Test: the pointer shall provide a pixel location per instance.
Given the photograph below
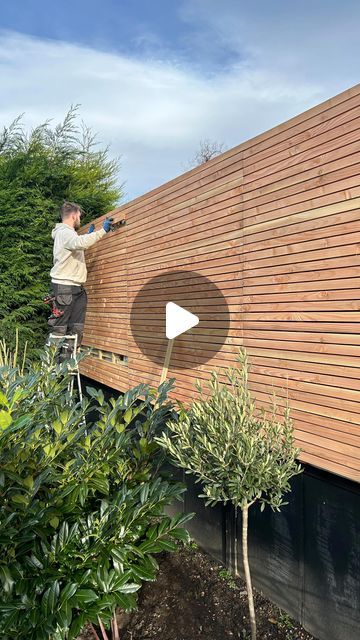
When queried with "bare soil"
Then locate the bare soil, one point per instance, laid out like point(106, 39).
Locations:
point(195, 598)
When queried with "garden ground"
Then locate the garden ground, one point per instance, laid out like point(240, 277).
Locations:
point(195, 597)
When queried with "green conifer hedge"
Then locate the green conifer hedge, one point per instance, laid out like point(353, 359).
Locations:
point(38, 171)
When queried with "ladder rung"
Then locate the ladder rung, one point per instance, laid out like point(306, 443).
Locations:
point(72, 336)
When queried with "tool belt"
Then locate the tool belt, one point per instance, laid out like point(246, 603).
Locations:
point(63, 296)
point(55, 311)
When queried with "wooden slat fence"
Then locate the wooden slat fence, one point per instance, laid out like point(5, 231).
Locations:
point(274, 223)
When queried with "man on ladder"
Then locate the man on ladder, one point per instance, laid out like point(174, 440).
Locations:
point(68, 275)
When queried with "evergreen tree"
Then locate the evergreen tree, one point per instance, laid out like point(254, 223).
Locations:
point(38, 171)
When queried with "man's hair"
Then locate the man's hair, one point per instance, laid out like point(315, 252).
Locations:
point(69, 207)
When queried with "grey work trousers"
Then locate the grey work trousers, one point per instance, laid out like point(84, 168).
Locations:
point(72, 300)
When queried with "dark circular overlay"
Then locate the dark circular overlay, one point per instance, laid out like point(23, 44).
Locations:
point(196, 294)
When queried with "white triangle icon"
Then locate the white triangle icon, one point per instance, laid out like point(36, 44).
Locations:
point(178, 320)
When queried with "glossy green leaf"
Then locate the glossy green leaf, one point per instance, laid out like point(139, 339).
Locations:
point(68, 592)
point(50, 598)
point(144, 572)
point(5, 419)
point(64, 615)
point(83, 596)
point(3, 400)
point(128, 415)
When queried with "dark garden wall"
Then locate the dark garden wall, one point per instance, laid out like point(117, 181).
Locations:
point(306, 558)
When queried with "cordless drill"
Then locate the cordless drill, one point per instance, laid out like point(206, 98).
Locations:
point(116, 225)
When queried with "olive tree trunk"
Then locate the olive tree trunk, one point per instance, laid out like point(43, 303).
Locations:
point(245, 518)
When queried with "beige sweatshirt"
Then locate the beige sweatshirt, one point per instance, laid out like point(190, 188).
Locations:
point(69, 259)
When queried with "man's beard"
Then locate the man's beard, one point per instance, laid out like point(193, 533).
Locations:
point(77, 225)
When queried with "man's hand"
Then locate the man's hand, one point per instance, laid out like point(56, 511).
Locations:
point(107, 224)
point(91, 228)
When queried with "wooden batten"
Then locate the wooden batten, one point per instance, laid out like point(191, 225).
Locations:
point(275, 224)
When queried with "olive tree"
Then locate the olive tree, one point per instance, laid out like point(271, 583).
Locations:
point(239, 453)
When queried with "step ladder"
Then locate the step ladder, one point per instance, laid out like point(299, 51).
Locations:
point(74, 372)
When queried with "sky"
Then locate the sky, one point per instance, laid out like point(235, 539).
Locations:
point(155, 77)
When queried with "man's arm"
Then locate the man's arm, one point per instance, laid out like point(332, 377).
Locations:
point(73, 242)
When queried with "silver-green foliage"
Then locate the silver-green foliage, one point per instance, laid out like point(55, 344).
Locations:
point(239, 453)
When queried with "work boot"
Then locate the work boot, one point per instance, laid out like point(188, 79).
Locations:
point(66, 352)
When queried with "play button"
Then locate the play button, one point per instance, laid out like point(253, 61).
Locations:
point(183, 306)
point(178, 320)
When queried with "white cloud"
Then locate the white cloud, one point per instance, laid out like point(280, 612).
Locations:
point(312, 41)
point(152, 112)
